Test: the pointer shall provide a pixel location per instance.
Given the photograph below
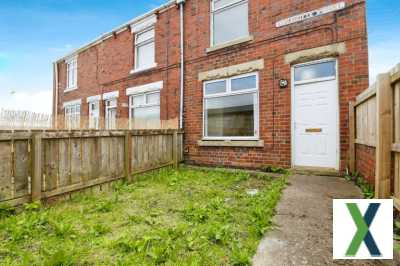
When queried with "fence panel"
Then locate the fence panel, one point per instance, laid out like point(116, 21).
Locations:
point(15, 169)
point(396, 135)
point(150, 151)
point(396, 112)
point(376, 115)
point(366, 122)
point(42, 165)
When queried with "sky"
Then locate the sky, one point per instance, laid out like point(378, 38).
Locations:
point(34, 33)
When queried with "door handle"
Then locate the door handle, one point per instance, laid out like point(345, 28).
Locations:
point(313, 130)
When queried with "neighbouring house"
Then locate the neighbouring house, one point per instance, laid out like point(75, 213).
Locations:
point(264, 82)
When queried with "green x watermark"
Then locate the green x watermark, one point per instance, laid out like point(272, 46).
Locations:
point(363, 233)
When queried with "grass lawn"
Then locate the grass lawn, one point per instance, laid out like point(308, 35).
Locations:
point(168, 217)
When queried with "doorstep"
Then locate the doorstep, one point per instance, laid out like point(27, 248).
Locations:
point(318, 171)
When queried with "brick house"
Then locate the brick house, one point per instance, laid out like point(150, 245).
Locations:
point(264, 82)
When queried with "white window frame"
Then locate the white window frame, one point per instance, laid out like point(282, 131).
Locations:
point(229, 92)
point(316, 62)
point(221, 9)
point(132, 106)
point(72, 120)
point(72, 62)
point(107, 109)
point(142, 43)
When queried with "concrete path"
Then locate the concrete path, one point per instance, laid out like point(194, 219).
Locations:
point(303, 224)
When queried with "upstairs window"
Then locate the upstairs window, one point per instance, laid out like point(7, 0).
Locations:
point(231, 108)
point(145, 49)
point(72, 73)
point(229, 20)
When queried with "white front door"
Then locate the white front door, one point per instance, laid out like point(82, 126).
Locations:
point(315, 115)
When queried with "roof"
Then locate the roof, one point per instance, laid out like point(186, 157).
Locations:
point(115, 30)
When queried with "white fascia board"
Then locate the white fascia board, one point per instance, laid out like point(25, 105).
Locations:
point(155, 86)
point(110, 95)
point(71, 58)
point(118, 29)
point(94, 98)
point(144, 24)
point(74, 102)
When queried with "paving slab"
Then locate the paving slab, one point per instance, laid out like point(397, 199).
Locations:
point(302, 233)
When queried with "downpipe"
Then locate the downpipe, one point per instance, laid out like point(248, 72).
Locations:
point(181, 3)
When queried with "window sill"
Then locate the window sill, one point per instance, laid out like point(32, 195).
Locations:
point(139, 70)
point(70, 89)
point(231, 143)
point(228, 44)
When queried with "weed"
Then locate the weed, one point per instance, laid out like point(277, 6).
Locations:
point(103, 206)
point(195, 213)
point(63, 229)
point(6, 211)
point(60, 257)
point(34, 206)
point(367, 189)
point(240, 257)
point(275, 170)
point(396, 231)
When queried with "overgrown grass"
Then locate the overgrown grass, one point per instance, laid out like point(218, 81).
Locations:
point(185, 217)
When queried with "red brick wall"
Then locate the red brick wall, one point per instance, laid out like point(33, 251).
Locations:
point(271, 44)
point(105, 67)
point(365, 162)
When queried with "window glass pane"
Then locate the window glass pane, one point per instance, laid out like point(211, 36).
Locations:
point(244, 83)
point(144, 36)
point(138, 100)
point(146, 117)
point(215, 87)
point(111, 103)
point(321, 70)
point(111, 118)
point(71, 73)
point(230, 116)
point(153, 98)
point(230, 23)
point(222, 3)
point(145, 55)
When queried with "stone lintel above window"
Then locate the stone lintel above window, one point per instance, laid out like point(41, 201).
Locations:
point(232, 70)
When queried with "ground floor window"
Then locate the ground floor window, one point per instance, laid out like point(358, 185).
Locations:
point(231, 108)
point(72, 116)
point(94, 115)
point(111, 114)
point(145, 110)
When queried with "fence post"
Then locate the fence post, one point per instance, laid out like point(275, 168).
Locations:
point(352, 137)
point(175, 149)
point(36, 181)
point(384, 104)
point(128, 154)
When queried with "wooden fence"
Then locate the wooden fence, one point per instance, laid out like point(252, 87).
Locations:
point(375, 122)
point(41, 165)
